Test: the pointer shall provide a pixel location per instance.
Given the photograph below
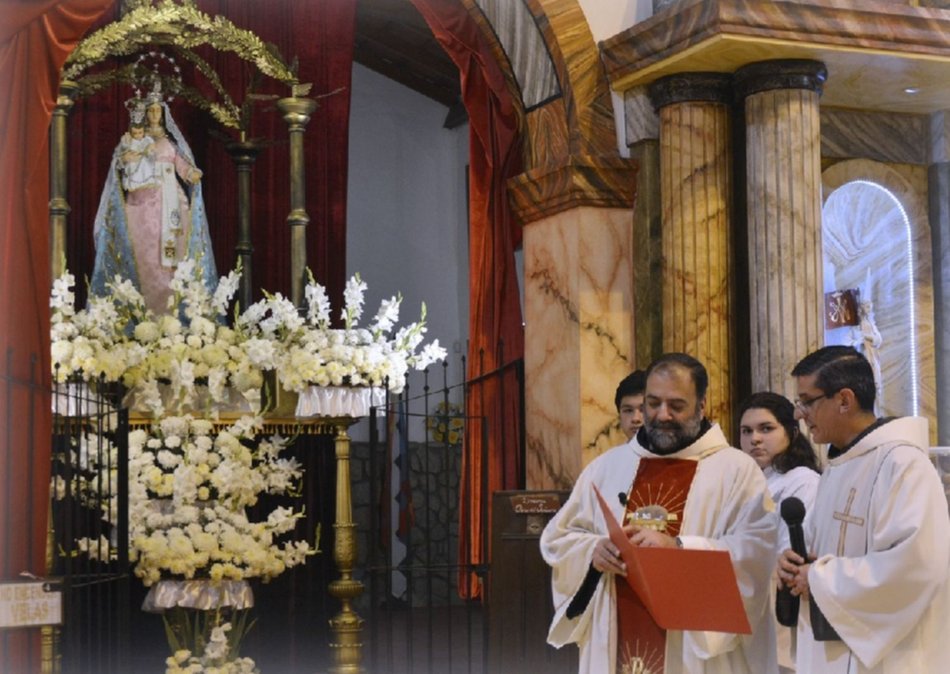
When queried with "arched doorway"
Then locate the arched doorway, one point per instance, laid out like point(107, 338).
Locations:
point(876, 239)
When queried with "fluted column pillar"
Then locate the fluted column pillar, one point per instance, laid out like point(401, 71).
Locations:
point(783, 160)
point(297, 113)
point(696, 205)
point(244, 152)
point(58, 205)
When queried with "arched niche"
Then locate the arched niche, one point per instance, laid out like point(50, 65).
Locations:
point(876, 236)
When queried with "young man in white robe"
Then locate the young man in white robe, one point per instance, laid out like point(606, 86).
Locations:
point(723, 505)
point(878, 535)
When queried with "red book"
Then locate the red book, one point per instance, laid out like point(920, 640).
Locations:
point(682, 589)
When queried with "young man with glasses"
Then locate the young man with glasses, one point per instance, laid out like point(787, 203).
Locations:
point(875, 589)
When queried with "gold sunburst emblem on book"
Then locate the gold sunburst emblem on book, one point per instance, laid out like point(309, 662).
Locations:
point(656, 509)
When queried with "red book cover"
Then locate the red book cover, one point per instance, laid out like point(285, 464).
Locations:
point(682, 589)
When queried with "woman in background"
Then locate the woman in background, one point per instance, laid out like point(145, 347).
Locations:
point(769, 433)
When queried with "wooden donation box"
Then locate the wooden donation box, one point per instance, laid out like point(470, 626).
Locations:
point(520, 606)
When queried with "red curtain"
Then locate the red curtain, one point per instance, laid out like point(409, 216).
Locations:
point(35, 39)
point(496, 337)
point(319, 34)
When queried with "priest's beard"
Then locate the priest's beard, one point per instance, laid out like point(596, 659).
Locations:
point(669, 437)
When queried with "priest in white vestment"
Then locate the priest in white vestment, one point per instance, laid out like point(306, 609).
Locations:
point(878, 535)
point(726, 507)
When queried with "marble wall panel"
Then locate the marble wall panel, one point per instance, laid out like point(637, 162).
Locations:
point(578, 339)
point(939, 207)
point(864, 230)
point(887, 137)
point(647, 255)
point(640, 119)
point(939, 140)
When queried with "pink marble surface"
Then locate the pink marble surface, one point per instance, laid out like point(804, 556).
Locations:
point(578, 338)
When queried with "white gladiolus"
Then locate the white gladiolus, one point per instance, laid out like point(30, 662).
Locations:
point(190, 484)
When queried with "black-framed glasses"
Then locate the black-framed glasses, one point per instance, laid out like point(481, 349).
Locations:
point(804, 406)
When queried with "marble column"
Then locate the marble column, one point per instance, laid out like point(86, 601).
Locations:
point(783, 167)
point(939, 208)
point(578, 319)
point(642, 126)
point(578, 311)
point(696, 206)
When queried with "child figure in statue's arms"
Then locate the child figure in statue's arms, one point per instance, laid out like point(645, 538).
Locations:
point(136, 157)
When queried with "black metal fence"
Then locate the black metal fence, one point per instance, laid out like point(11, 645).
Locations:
point(417, 620)
point(89, 518)
point(405, 482)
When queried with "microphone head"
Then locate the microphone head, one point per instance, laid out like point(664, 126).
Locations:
point(793, 510)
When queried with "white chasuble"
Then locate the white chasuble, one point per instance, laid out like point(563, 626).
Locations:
point(880, 531)
point(727, 508)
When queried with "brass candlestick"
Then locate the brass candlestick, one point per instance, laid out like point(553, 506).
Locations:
point(244, 152)
point(58, 205)
point(297, 113)
point(347, 646)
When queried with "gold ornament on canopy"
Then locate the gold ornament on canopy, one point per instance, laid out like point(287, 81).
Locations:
point(180, 26)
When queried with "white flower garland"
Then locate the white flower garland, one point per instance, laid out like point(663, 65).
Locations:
point(160, 358)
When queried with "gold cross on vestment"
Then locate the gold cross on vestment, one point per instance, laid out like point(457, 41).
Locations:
point(847, 518)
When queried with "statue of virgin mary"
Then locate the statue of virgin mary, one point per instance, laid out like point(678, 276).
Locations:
point(151, 213)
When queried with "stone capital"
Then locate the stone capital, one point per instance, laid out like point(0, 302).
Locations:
point(603, 182)
point(695, 87)
point(780, 74)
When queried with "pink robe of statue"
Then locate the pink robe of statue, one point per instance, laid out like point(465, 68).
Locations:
point(159, 219)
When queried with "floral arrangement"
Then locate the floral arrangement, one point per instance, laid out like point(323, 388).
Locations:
point(306, 351)
point(209, 481)
point(92, 343)
point(161, 358)
point(189, 488)
point(189, 484)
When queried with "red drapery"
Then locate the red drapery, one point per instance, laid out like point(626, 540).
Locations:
point(495, 329)
point(35, 39)
point(320, 35)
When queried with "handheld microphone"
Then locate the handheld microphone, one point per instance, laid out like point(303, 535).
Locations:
point(786, 604)
point(622, 497)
